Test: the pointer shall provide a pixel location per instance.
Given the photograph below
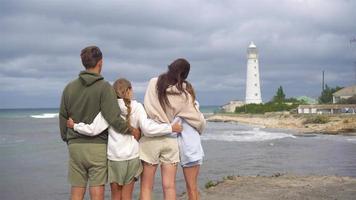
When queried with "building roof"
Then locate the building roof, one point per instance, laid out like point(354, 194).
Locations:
point(346, 91)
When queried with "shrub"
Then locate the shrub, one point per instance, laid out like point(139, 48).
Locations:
point(319, 119)
point(229, 177)
point(277, 174)
point(210, 184)
point(267, 107)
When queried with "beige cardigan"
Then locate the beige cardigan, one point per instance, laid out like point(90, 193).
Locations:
point(181, 106)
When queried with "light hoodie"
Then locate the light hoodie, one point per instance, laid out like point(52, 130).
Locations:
point(182, 106)
point(125, 147)
point(190, 148)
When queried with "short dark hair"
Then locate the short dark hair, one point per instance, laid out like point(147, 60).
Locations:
point(91, 56)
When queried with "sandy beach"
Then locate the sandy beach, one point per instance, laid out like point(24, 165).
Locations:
point(281, 188)
point(336, 125)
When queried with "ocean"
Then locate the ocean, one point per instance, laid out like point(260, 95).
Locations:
point(34, 158)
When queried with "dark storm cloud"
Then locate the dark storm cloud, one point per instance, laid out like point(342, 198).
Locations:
point(297, 39)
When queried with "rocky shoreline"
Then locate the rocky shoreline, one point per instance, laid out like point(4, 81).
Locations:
point(281, 187)
point(303, 124)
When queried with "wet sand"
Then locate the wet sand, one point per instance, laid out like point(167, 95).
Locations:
point(281, 188)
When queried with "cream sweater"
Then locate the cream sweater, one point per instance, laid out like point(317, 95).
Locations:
point(182, 106)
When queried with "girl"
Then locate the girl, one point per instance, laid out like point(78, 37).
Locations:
point(166, 98)
point(190, 150)
point(124, 165)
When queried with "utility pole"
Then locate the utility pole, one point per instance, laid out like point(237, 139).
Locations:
point(354, 92)
point(352, 46)
point(323, 83)
point(355, 73)
point(353, 49)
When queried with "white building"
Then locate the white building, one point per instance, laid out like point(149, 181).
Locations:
point(231, 106)
point(327, 109)
point(345, 93)
point(253, 87)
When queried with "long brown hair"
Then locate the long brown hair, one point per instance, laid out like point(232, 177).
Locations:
point(122, 86)
point(177, 72)
point(190, 90)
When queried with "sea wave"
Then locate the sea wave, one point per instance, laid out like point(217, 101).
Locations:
point(9, 140)
point(253, 135)
point(353, 140)
point(45, 115)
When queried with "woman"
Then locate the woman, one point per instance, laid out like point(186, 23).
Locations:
point(190, 151)
point(166, 98)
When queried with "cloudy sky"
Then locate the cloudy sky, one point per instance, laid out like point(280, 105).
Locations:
point(40, 42)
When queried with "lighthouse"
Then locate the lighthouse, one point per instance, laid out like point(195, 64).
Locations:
point(253, 87)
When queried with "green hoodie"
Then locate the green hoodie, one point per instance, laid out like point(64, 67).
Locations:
point(82, 100)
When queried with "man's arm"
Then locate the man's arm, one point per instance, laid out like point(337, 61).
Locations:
point(63, 116)
point(111, 111)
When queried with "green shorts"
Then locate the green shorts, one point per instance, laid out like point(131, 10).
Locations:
point(124, 172)
point(87, 164)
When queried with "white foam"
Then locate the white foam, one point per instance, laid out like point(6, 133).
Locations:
point(45, 115)
point(254, 135)
point(353, 140)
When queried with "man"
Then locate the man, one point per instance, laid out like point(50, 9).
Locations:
point(82, 100)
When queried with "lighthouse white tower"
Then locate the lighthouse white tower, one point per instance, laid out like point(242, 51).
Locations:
point(253, 87)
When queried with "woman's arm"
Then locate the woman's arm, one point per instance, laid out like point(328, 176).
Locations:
point(151, 128)
point(191, 114)
point(95, 128)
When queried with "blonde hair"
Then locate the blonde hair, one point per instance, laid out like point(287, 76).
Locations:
point(122, 86)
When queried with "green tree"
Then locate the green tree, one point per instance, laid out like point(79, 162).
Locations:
point(327, 95)
point(280, 96)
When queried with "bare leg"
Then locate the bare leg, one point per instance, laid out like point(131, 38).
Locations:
point(169, 172)
point(127, 191)
point(77, 193)
point(97, 192)
point(191, 181)
point(147, 181)
point(116, 191)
